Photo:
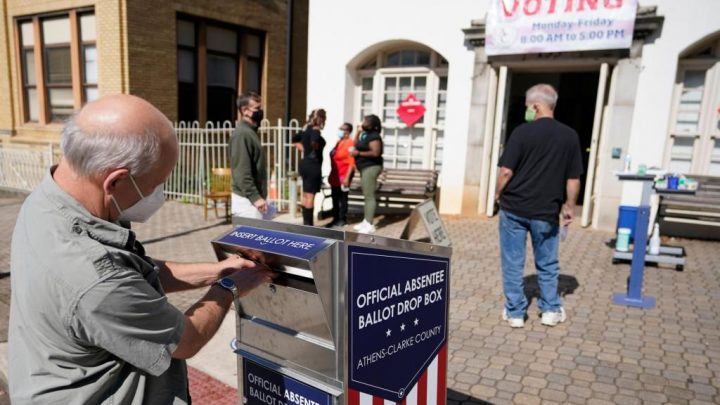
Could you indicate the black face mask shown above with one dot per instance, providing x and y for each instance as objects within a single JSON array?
[{"x": 257, "y": 116}]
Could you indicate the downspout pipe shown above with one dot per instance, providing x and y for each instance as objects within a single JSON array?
[{"x": 288, "y": 61}]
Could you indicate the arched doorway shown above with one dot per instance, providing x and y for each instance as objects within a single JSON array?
[{"x": 383, "y": 76}]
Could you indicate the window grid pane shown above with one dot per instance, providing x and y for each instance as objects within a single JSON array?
[
  {"x": 221, "y": 39},
  {"x": 186, "y": 33},
  {"x": 56, "y": 31},
  {"x": 29, "y": 62},
  {"x": 27, "y": 33},
  {"x": 221, "y": 71},
  {"x": 87, "y": 27},
  {"x": 254, "y": 46},
  {"x": 32, "y": 104},
  {"x": 367, "y": 84},
  {"x": 186, "y": 66},
  {"x": 91, "y": 94},
  {"x": 252, "y": 75},
  {"x": 714, "y": 169},
  {"x": 441, "y": 103},
  {"x": 681, "y": 154},
  {"x": 90, "y": 68},
  {"x": 61, "y": 103},
  {"x": 58, "y": 66},
  {"x": 688, "y": 112}
]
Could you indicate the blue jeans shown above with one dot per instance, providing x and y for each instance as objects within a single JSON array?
[{"x": 544, "y": 236}]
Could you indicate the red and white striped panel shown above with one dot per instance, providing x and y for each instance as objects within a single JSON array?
[{"x": 429, "y": 390}]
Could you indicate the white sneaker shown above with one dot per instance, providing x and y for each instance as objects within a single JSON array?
[
  {"x": 364, "y": 227},
  {"x": 553, "y": 318},
  {"x": 369, "y": 229},
  {"x": 514, "y": 322}
]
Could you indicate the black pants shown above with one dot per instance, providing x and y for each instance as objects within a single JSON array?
[{"x": 339, "y": 204}]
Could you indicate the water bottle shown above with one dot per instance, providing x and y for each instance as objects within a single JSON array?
[
  {"x": 628, "y": 163},
  {"x": 654, "y": 247}
]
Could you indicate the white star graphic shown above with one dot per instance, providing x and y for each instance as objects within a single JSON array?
[
  {"x": 402, "y": 327},
  {"x": 416, "y": 321},
  {"x": 388, "y": 332}
]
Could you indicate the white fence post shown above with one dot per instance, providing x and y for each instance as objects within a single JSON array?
[{"x": 202, "y": 149}]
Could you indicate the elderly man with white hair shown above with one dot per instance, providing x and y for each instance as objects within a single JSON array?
[
  {"x": 537, "y": 188},
  {"x": 89, "y": 320}
]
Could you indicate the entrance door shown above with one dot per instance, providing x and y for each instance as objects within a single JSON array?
[
  {"x": 384, "y": 82},
  {"x": 578, "y": 104},
  {"x": 404, "y": 147}
]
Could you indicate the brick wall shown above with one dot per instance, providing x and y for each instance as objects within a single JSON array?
[
  {"x": 298, "y": 92},
  {"x": 136, "y": 45},
  {"x": 7, "y": 122},
  {"x": 152, "y": 46},
  {"x": 111, "y": 47},
  {"x": 10, "y": 108}
]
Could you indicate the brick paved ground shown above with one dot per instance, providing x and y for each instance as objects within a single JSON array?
[
  {"x": 604, "y": 354},
  {"x": 209, "y": 391}
]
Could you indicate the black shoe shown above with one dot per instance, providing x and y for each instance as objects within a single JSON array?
[{"x": 332, "y": 224}]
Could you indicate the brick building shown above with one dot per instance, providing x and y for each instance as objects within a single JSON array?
[{"x": 189, "y": 58}]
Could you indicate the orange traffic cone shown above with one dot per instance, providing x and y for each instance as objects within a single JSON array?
[{"x": 272, "y": 195}]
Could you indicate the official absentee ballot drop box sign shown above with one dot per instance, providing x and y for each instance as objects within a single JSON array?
[{"x": 349, "y": 319}]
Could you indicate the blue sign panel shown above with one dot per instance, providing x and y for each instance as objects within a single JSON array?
[
  {"x": 397, "y": 317},
  {"x": 283, "y": 243},
  {"x": 262, "y": 386}
]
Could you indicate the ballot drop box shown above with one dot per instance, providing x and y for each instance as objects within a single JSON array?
[{"x": 350, "y": 318}]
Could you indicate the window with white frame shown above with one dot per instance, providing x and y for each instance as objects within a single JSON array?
[
  {"x": 388, "y": 78},
  {"x": 694, "y": 144}
]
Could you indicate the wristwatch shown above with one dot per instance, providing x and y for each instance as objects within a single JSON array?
[{"x": 228, "y": 284}]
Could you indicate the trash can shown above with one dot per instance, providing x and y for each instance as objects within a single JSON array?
[
  {"x": 350, "y": 317},
  {"x": 627, "y": 218}
]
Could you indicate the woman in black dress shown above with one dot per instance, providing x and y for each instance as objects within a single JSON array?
[{"x": 311, "y": 142}]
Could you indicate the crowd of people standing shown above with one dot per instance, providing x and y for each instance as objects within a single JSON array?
[{"x": 360, "y": 153}]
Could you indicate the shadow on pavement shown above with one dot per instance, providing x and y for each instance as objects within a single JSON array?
[
  {"x": 566, "y": 285},
  {"x": 459, "y": 398},
  {"x": 183, "y": 233}
]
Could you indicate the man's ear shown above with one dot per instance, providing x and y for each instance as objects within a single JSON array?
[{"x": 112, "y": 178}]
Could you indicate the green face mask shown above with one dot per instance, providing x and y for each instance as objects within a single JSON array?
[{"x": 530, "y": 114}]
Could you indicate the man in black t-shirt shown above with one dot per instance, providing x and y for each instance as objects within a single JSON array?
[{"x": 538, "y": 182}]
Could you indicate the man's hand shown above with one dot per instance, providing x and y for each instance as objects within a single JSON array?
[
  {"x": 254, "y": 272},
  {"x": 203, "y": 319},
  {"x": 261, "y": 205},
  {"x": 248, "y": 279},
  {"x": 504, "y": 176},
  {"x": 567, "y": 214},
  {"x": 572, "y": 189}
]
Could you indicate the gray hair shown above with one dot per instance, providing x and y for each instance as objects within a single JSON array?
[
  {"x": 543, "y": 94},
  {"x": 90, "y": 154}
]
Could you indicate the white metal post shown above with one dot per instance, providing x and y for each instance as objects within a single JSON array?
[
  {"x": 497, "y": 132},
  {"x": 592, "y": 160}
]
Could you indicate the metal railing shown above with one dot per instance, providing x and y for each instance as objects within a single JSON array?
[
  {"x": 205, "y": 148},
  {"x": 22, "y": 169},
  {"x": 201, "y": 148}
]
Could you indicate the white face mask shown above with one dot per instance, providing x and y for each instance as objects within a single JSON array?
[{"x": 142, "y": 210}]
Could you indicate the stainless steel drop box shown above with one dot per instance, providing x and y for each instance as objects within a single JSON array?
[{"x": 302, "y": 339}]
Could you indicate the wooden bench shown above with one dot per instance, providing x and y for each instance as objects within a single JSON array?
[
  {"x": 398, "y": 192},
  {"x": 692, "y": 216}
]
